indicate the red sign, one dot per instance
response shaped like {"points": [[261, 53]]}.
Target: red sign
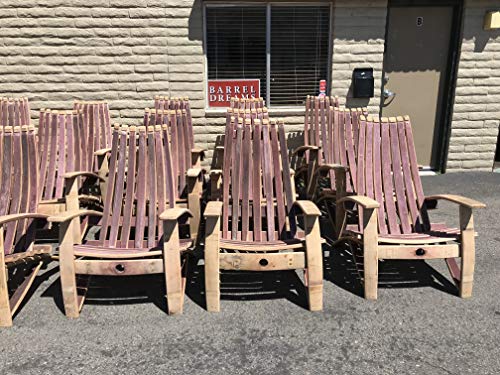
{"points": [[220, 91]]}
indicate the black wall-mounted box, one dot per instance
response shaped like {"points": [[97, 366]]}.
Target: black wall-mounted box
{"points": [[363, 83]]}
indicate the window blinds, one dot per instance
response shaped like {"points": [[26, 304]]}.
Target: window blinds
{"points": [[299, 36], [299, 52], [236, 43]]}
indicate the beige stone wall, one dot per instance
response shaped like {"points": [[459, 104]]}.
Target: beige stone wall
{"points": [[476, 116], [127, 51]]}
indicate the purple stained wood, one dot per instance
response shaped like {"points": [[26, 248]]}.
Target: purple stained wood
{"points": [[108, 200], [377, 179], [397, 172], [267, 167], [257, 180], [129, 198], [278, 182], [118, 190], [410, 190], [236, 182], [142, 178], [387, 182]]}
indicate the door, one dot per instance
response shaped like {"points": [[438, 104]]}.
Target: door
{"points": [[416, 72]]}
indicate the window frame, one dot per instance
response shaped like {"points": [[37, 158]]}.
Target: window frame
{"points": [[268, 5]]}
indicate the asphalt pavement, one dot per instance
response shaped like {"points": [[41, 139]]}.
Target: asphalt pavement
{"points": [[417, 326]]}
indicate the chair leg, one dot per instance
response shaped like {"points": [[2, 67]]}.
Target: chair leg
{"points": [[67, 271], [5, 312], [468, 252], [370, 256], [212, 277], [172, 267], [314, 274]]}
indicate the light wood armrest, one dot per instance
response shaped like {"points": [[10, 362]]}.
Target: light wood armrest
{"points": [[102, 151], [70, 215], [463, 201], [213, 209], [215, 172], [219, 148], [71, 175], [307, 208], [15, 217], [174, 214], [301, 149], [365, 202], [195, 172]]}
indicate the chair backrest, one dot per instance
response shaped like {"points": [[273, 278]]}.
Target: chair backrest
{"points": [[62, 148], [257, 184], [244, 103], [18, 183], [165, 103], [260, 113], [181, 137], [97, 129], [339, 143], [315, 117], [388, 172], [141, 185], [14, 111]]}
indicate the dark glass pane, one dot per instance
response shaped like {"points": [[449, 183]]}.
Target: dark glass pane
{"points": [[236, 43], [299, 52]]}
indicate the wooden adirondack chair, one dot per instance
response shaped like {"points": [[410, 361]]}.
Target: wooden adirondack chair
{"points": [[393, 219], [186, 158], [139, 229], [96, 130], [316, 112], [330, 145], [14, 111], [62, 149], [243, 103], [244, 235], [18, 218], [252, 114]]}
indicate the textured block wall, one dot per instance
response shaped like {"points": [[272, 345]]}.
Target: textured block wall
{"points": [[358, 42], [127, 51], [476, 116]]}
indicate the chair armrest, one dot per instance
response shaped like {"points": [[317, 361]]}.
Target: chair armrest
{"points": [[365, 202], [102, 151], [70, 215], [307, 208], [463, 201], [331, 167], [300, 150], [213, 209], [71, 175], [195, 172], [175, 214], [15, 217]]}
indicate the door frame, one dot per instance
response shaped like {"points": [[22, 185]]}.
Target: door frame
{"points": [[440, 154]]}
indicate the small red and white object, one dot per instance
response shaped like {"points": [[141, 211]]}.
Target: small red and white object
{"points": [[322, 88], [220, 91]]}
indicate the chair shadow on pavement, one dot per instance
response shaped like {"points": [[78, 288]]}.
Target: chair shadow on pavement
{"points": [[248, 286], [341, 268], [109, 290]]}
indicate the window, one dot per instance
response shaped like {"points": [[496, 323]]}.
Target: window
{"points": [[285, 46]]}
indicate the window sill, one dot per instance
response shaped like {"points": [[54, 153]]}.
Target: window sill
{"points": [[273, 112]]}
